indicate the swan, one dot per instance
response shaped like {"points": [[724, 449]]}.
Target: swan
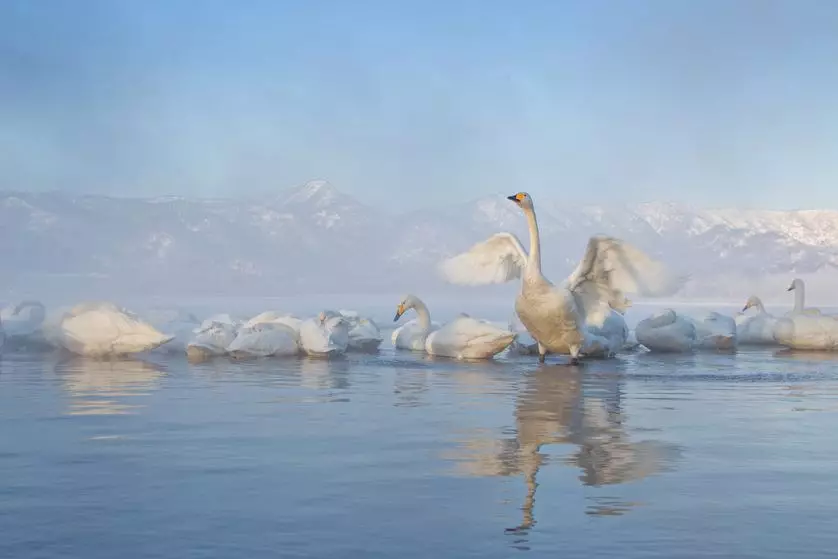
{"points": [[22, 324], [264, 339], [799, 289], [584, 317], [326, 335], [715, 331], [462, 338], [755, 328], [364, 334], [275, 317], [97, 329], [807, 331], [212, 337], [666, 332]]}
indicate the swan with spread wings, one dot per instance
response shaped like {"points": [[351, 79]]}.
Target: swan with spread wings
{"points": [[585, 316]]}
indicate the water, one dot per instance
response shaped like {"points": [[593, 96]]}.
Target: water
{"points": [[401, 455]]}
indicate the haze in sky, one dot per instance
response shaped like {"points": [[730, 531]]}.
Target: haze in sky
{"points": [[714, 103]]}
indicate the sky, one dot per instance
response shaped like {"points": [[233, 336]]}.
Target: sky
{"points": [[405, 104]]}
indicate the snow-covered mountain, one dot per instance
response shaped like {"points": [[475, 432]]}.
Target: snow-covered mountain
{"points": [[316, 239]]}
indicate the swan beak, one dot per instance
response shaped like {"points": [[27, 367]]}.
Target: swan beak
{"points": [[745, 308], [514, 198], [791, 287], [399, 313]]}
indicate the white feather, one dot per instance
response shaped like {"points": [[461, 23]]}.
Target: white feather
{"points": [[498, 259]]}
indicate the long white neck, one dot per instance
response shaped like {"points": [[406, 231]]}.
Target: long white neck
{"points": [[799, 294], [533, 268], [423, 315]]}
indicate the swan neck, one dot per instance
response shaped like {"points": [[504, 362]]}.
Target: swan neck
{"points": [[423, 315], [798, 296], [534, 259]]}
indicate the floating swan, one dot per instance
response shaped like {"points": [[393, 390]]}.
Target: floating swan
{"points": [[22, 324], [806, 331], [757, 327], [326, 335], [364, 334], [212, 337], [666, 332], [715, 331], [97, 329], [264, 339], [576, 319], [799, 289], [462, 338], [274, 317]]}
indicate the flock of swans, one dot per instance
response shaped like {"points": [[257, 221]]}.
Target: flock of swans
{"points": [[583, 318]]}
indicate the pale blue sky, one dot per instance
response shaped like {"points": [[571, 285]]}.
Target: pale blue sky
{"points": [[407, 103]]}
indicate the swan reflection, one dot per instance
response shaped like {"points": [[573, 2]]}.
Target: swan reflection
{"points": [[561, 405], [99, 387]]}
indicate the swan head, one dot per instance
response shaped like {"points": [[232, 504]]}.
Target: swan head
{"points": [[796, 282], [523, 200], [408, 302], [752, 302]]}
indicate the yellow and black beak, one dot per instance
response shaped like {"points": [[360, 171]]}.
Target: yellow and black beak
{"points": [[745, 308], [791, 287], [399, 313]]}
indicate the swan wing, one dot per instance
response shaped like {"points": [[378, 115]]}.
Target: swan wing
{"points": [[611, 268], [498, 259], [465, 333]]}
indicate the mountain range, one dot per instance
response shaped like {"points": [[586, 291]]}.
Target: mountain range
{"points": [[316, 239]]}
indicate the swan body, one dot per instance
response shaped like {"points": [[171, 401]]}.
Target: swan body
{"points": [[364, 334], [756, 326], [212, 337], [807, 332], [95, 329], [462, 338], [715, 331], [23, 324], [264, 339], [666, 332], [799, 289], [326, 335], [576, 318]]}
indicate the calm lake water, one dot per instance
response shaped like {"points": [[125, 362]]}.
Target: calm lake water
{"points": [[401, 455]]}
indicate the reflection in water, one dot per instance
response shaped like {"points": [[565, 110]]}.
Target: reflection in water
{"points": [[319, 374], [96, 387], [410, 386], [560, 405]]}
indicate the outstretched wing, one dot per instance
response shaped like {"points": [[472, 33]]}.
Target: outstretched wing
{"points": [[611, 268], [498, 259]]}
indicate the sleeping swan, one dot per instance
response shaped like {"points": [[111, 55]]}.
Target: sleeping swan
{"points": [[666, 332], [583, 317], [462, 338], [806, 331]]}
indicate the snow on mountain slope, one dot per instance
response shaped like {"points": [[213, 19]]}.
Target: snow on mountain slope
{"points": [[314, 238]]}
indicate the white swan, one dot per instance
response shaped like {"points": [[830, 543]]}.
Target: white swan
{"points": [[715, 331], [97, 329], [666, 332], [412, 334], [575, 319], [264, 339], [364, 334], [274, 317], [22, 324], [755, 327], [799, 289], [326, 335], [808, 332], [212, 337], [462, 338]]}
